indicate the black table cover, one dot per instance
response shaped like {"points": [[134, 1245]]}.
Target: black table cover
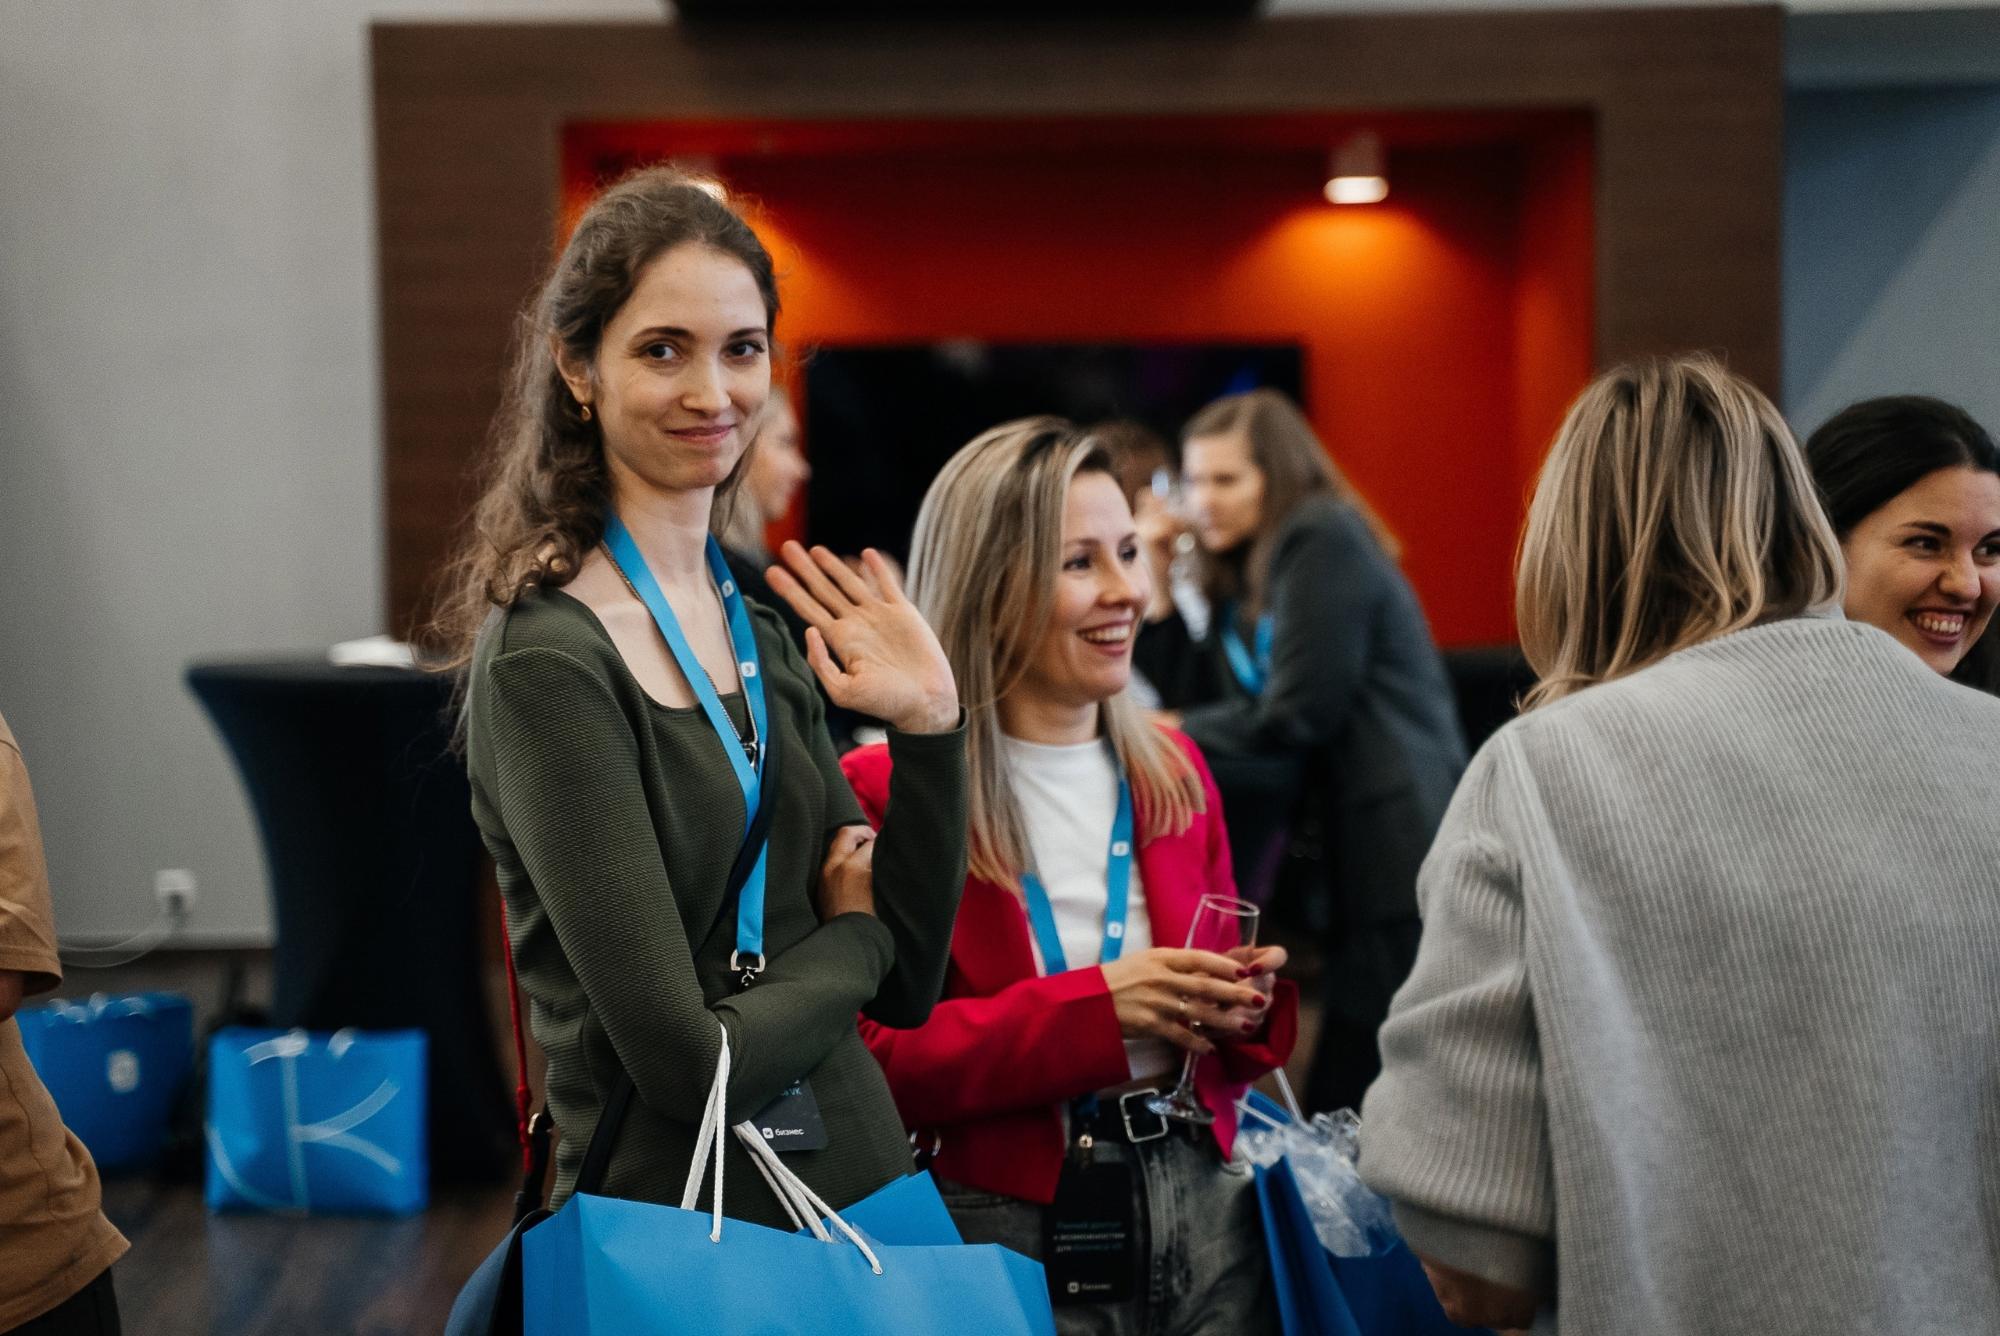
{"points": [[376, 871]]}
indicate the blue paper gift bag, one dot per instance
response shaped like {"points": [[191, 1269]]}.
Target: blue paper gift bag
{"points": [[602, 1266], [313, 1122], [114, 1066], [890, 1264], [1319, 1294]]}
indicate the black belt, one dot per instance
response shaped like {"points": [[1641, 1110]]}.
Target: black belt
{"points": [[1126, 1121]]}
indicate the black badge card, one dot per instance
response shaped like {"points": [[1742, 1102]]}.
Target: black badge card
{"points": [[1089, 1245], [791, 1121]]}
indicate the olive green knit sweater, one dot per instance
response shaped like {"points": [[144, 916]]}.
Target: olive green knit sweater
{"points": [[614, 820]]}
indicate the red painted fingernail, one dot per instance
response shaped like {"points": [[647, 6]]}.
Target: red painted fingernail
{"points": [[1245, 972], [1249, 1027]]}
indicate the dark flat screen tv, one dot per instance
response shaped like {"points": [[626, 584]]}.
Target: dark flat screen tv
{"points": [[881, 419]]}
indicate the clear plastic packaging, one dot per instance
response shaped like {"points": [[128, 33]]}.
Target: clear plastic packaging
{"points": [[1351, 1219]]}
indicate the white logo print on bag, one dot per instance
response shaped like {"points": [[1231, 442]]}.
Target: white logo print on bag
{"points": [[335, 1131]]}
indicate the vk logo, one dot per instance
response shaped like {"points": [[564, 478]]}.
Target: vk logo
{"points": [[269, 1168]]}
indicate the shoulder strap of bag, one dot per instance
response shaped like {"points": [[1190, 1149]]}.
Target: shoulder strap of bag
{"points": [[534, 1132]]}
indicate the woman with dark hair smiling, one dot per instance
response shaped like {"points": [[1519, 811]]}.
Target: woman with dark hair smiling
{"points": [[628, 711], [1912, 486]]}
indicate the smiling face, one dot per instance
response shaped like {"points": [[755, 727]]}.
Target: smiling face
{"points": [[1925, 566], [1225, 490], [1085, 655], [681, 373]]}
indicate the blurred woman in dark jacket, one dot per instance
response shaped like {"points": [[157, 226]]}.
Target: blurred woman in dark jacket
{"points": [[1316, 679]]}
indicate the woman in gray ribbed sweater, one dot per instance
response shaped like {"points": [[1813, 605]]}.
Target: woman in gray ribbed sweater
{"points": [[1704, 1033]]}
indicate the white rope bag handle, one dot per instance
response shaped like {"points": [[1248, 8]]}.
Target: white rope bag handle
{"points": [[804, 1206]]}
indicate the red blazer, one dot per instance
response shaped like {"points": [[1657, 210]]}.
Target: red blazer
{"points": [[987, 1076]]}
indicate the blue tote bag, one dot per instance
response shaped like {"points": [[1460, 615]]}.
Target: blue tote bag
{"points": [[891, 1264], [1383, 1294], [317, 1123], [114, 1066]]}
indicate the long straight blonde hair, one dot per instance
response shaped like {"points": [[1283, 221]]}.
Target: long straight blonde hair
{"points": [[983, 565], [1675, 506]]}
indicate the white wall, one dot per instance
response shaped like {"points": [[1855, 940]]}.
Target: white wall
{"points": [[189, 440]]}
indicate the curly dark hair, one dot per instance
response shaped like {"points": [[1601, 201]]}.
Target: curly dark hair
{"points": [[542, 505]]}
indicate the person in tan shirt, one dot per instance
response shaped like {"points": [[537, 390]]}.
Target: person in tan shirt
{"points": [[56, 1280]]}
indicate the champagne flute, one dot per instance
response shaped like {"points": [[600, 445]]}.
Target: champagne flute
{"points": [[1227, 926]]}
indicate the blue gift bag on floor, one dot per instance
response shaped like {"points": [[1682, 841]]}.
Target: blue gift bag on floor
{"points": [[317, 1123], [114, 1066], [888, 1265], [1319, 1294]]}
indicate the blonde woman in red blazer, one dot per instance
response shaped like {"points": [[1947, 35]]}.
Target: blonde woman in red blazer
{"points": [[1028, 1084]]}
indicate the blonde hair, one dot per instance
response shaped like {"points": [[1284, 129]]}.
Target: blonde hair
{"points": [[1675, 506], [736, 519], [1295, 465], [984, 559]]}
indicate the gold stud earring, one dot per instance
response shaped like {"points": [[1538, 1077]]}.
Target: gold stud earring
{"points": [[586, 411]]}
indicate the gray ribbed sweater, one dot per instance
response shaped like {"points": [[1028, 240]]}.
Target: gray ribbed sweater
{"points": [[1707, 1013]]}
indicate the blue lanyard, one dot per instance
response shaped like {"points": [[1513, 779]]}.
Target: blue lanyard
{"points": [[1117, 895], [1251, 671], [631, 563]]}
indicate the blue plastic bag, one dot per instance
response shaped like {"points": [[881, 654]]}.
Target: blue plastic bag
{"points": [[317, 1123], [114, 1066]]}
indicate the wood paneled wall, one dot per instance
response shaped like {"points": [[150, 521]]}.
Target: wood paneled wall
{"points": [[1687, 105]]}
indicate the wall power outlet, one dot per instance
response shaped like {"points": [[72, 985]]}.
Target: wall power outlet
{"points": [[174, 888]]}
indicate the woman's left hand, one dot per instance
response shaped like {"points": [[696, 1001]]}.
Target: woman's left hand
{"points": [[1259, 965], [866, 641]]}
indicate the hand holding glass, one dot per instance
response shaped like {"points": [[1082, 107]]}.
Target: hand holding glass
{"points": [[1227, 926]]}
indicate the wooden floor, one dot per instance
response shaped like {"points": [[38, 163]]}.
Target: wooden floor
{"points": [[190, 1273], [194, 1274]]}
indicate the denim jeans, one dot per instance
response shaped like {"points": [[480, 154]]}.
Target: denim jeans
{"points": [[1203, 1271]]}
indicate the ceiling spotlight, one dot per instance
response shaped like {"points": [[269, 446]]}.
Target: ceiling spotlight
{"points": [[1355, 175]]}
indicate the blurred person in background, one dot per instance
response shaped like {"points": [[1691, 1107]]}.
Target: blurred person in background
{"points": [[1321, 700], [1912, 485], [1144, 466], [1704, 1034], [56, 1247], [1069, 1001], [773, 471]]}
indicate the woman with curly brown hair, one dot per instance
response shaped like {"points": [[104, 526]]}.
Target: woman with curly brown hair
{"points": [[627, 712]]}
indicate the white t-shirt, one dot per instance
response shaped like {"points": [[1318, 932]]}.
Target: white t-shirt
{"points": [[1069, 797]]}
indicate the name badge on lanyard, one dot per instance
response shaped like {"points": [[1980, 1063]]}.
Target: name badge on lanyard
{"points": [[1252, 669], [746, 757], [1089, 1238], [1117, 895]]}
